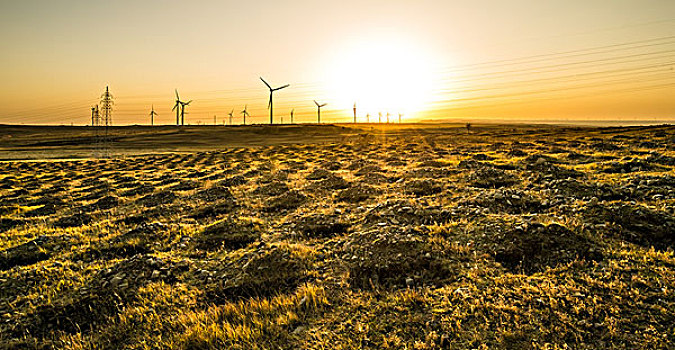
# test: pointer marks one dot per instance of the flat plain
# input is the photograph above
(337, 237)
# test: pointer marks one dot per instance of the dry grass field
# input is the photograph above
(338, 237)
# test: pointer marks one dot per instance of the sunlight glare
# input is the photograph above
(392, 76)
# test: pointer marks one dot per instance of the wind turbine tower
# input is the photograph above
(379, 117)
(354, 112)
(245, 113)
(292, 111)
(152, 115)
(318, 111)
(230, 114)
(399, 117)
(182, 111)
(177, 108)
(270, 105)
(388, 117)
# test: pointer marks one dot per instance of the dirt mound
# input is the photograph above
(106, 294)
(214, 193)
(232, 181)
(157, 199)
(406, 213)
(322, 225)
(505, 201)
(287, 201)
(368, 170)
(635, 223)
(7, 223)
(230, 233)
(423, 187)
(36, 250)
(485, 177)
(399, 259)
(319, 174)
(275, 188)
(107, 202)
(533, 248)
(330, 183)
(270, 270)
(631, 167)
(516, 153)
(652, 187)
(74, 220)
(661, 159)
(45, 210)
(358, 193)
(577, 189)
(186, 185)
(222, 207)
(138, 190)
(542, 168)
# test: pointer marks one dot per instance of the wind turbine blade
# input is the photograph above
(323, 105)
(269, 105)
(175, 106)
(282, 87)
(316, 103)
(268, 85)
(177, 97)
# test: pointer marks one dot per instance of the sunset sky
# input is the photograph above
(430, 60)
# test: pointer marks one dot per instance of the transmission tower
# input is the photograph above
(106, 107)
(106, 118)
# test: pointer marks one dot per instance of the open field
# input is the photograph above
(338, 237)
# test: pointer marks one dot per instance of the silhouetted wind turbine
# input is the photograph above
(182, 111)
(318, 111)
(354, 112)
(177, 108)
(230, 114)
(399, 117)
(292, 110)
(388, 117)
(379, 117)
(270, 106)
(152, 115)
(245, 113)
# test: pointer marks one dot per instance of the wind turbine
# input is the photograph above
(388, 117)
(318, 111)
(354, 112)
(399, 117)
(245, 113)
(177, 108)
(152, 115)
(230, 114)
(292, 111)
(368, 118)
(379, 117)
(182, 111)
(270, 106)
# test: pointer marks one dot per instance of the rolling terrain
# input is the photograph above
(338, 237)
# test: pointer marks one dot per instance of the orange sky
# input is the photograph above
(543, 60)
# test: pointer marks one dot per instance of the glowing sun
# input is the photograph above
(383, 76)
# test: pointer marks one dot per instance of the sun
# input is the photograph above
(389, 75)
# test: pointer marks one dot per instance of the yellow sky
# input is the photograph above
(546, 60)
